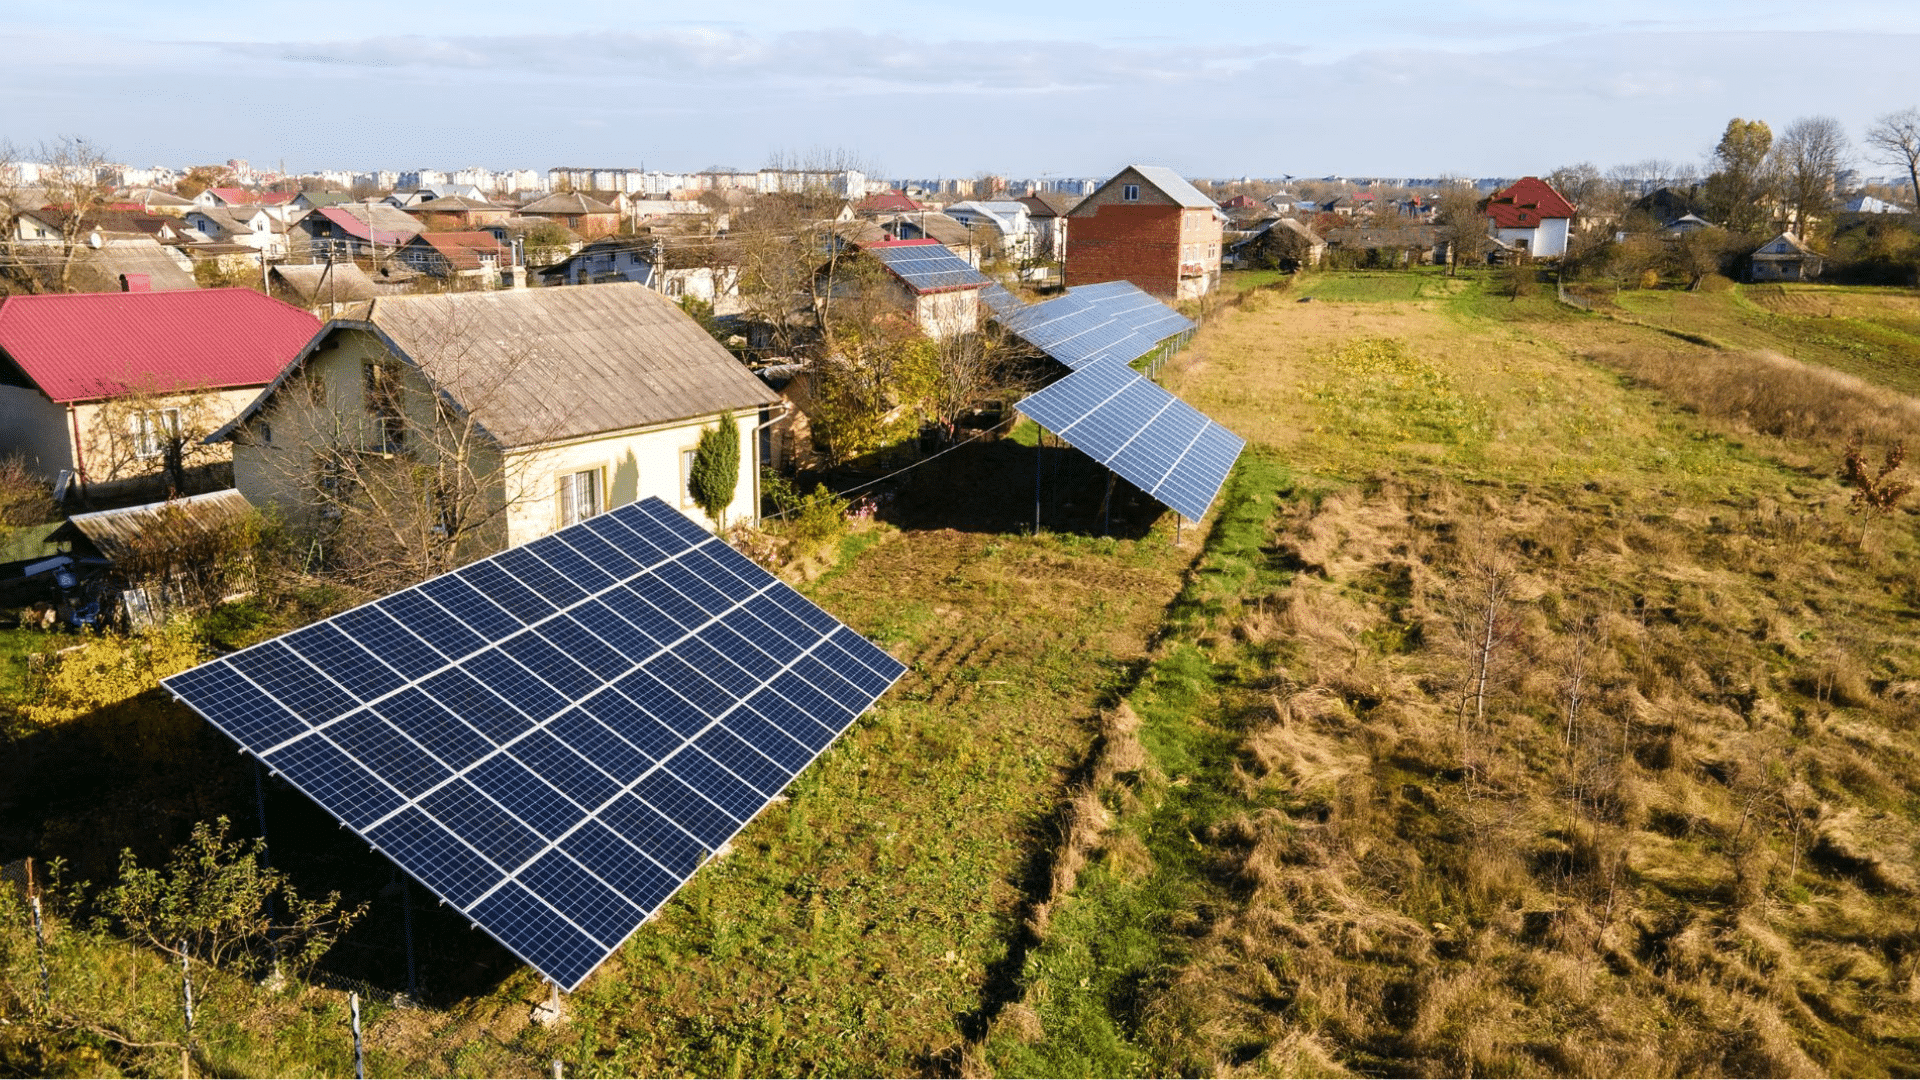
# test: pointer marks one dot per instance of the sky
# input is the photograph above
(1014, 87)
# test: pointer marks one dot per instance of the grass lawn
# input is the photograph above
(1872, 332)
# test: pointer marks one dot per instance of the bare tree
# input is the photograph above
(68, 193)
(149, 427)
(1463, 223)
(402, 480)
(1895, 140)
(1807, 161)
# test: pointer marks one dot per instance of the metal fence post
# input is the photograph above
(359, 1060)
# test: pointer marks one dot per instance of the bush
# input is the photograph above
(808, 521)
(24, 498)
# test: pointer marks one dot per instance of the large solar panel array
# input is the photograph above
(1113, 320)
(553, 739)
(927, 267)
(1160, 444)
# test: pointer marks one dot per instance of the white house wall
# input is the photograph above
(633, 465)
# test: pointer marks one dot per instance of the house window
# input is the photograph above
(154, 430)
(383, 402)
(686, 476)
(580, 496)
(1130, 192)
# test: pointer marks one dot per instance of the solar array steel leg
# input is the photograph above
(1039, 441)
(1106, 508)
(266, 861)
(406, 926)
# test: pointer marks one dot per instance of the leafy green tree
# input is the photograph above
(1733, 192)
(212, 903)
(716, 468)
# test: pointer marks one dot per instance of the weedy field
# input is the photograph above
(1532, 710)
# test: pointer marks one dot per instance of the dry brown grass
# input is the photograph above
(1650, 880)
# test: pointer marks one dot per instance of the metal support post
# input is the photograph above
(1039, 440)
(406, 925)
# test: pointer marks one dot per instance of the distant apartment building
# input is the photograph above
(1149, 226)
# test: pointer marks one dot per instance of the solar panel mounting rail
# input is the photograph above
(553, 739)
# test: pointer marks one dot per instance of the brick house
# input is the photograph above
(1148, 226)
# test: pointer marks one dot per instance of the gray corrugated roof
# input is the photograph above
(567, 202)
(536, 365)
(1174, 186)
(323, 283)
(177, 523)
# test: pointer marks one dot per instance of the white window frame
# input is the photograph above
(147, 440)
(686, 474)
(573, 489)
(1129, 192)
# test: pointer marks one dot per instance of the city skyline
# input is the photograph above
(1486, 89)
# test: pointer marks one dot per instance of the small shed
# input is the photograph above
(186, 552)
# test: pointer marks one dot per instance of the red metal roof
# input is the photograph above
(87, 346)
(892, 200)
(1525, 203)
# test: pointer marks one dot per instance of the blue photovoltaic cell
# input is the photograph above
(389, 753)
(292, 681)
(1113, 320)
(395, 645)
(620, 865)
(435, 626)
(618, 757)
(445, 864)
(554, 738)
(428, 723)
(1157, 442)
(485, 618)
(586, 901)
(332, 779)
(344, 660)
(532, 928)
(671, 846)
(236, 706)
(927, 266)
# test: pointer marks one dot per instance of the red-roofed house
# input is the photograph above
(1529, 214)
(891, 202)
(223, 197)
(70, 365)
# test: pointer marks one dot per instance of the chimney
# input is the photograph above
(136, 283)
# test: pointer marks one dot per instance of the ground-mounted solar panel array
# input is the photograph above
(928, 266)
(1127, 422)
(555, 738)
(1132, 425)
(1113, 320)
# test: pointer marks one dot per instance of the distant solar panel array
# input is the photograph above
(928, 267)
(554, 739)
(1132, 425)
(1160, 444)
(1113, 320)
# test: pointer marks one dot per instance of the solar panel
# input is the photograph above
(927, 266)
(1112, 320)
(1160, 444)
(553, 739)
